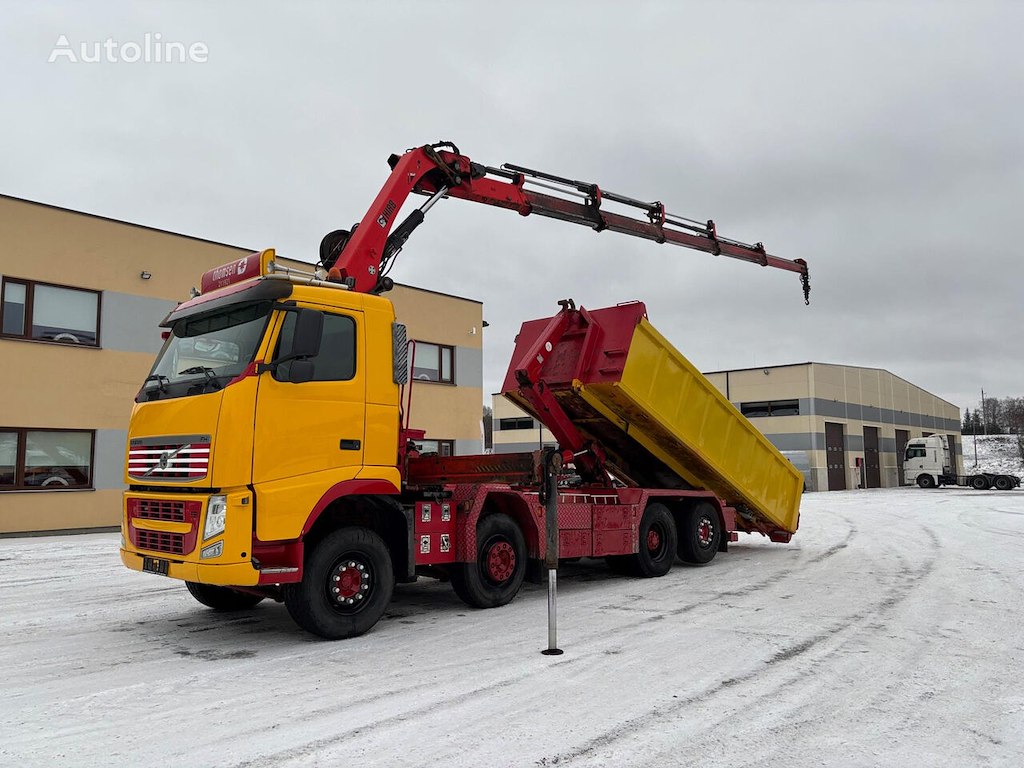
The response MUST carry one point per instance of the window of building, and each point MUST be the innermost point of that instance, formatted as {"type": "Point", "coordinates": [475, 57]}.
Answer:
{"type": "Point", "coordinates": [45, 459]}
{"type": "Point", "coordinates": [438, 447]}
{"type": "Point", "coordinates": [521, 422]}
{"type": "Point", "coordinates": [47, 312]}
{"type": "Point", "coordinates": [771, 408]}
{"type": "Point", "coordinates": [336, 360]}
{"type": "Point", "coordinates": [433, 362]}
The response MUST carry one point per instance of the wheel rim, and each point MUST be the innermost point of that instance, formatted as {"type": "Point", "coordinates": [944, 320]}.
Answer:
{"type": "Point", "coordinates": [498, 560]}
{"type": "Point", "coordinates": [705, 532]}
{"type": "Point", "coordinates": [350, 583]}
{"type": "Point", "coordinates": [657, 541]}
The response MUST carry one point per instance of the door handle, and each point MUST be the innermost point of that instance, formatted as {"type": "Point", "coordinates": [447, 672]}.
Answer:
{"type": "Point", "coordinates": [349, 445]}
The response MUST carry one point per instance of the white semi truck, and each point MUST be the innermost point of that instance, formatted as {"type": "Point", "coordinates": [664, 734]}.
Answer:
{"type": "Point", "coordinates": [928, 462]}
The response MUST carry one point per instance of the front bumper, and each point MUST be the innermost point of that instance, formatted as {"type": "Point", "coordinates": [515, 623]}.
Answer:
{"type": "Point", "coordinates": [232, 574]}
{"type": "Point", "coordinates": [169, 526]}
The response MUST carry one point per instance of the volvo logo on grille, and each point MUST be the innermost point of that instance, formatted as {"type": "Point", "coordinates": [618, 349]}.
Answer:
{"type": "Point", "coordinates": [165, 459]}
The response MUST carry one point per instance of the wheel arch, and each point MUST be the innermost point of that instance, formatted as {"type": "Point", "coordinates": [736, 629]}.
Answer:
{"type": "Point", "coordinates": [517, 508]}
{"type": "Point", "coordinates": [382, 514]}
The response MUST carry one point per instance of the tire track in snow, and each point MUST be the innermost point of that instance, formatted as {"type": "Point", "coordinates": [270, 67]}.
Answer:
{"type": "Point", "coordinates": [429, 708]}
{"type": "Point", "coordinates": [588, 648]}
{"type": "Point", "coordinates": [864, 620]}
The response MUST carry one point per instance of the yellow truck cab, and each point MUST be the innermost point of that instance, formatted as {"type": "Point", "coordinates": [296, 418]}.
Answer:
{"type": "Point", "coordinates": [273, 396]}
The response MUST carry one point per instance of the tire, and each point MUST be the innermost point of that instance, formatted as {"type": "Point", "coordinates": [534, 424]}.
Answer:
{"type": "Point", "coordinates": [497, 574]}
{"type": "Point", "coordinates": [346, 585]}
{"type": "Point", "coordinates": [701, 534]}
{"type": "Point", "coordinates": [659, 542]}
{"type": "Point", "coordinates": [925, 481]}
{"type": "Point", "coordinates": [980, 483]}
{"type": "Point", "coordinates": [1003, 483]}
{"type": "Point", "coordinates": [222, 598]}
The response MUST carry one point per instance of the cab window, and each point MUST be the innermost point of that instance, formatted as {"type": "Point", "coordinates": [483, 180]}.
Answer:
{"type": "Point", "coordinates": [336, 360]}
{"type": "Point", "coordinates": [916, 452]}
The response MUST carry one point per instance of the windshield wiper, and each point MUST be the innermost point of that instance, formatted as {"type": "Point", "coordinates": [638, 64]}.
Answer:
{"type": "Point", "coordinates": [211, 377]}
{"type": "Point", "coordinates": [161, 381]}
{"type": "Point", "coordinates": [198, 369]}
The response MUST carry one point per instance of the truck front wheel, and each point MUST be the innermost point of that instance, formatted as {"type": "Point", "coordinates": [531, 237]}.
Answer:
{"type": "Point", "coordinates": [346, 585]}
{"type": "Point", "coordinates": [496, 576]}
{"type": "Point", "coordinates": [222, 598]}
{"type": "Point", "coordinates": [701, 534]}
{"type": "Point", "coordinates": [925, 481]}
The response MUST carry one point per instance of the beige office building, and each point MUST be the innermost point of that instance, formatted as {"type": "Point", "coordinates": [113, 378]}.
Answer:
{"type": "Point", "coordinates": [82, 297]}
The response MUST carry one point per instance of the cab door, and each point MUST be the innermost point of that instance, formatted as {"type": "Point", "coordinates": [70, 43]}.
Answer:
{"type": "Point", "coordinates": [319, 425]}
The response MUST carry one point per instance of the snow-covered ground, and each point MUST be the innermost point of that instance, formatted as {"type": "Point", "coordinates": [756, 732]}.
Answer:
{"type": "Point", "coordinates": [997, 454]}
{"type": "Point", "coordinates": [889, 633]}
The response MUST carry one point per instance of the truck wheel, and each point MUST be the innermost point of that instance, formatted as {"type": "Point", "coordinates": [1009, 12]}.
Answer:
{"type": "Point", "coordinates": [979, 483]}
{"type": "Point", "coordinates": [925, 481]}
{"type": "Point", "coordinates": [659, 542]}
{"type": "Point", "coordinates": [222, 598]}
{"type": "Point", "coordinates": [346, 585]}
{"type": "Point", "coordinates": [1003, 483]}
{"type": "Point", "coordinates": [496, 576]}
{"type": "Point", "coordinates": [701, 534]}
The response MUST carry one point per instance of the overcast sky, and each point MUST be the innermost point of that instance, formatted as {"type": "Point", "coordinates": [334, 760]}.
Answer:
{"type": "Point", "coordinates": [881, 142]}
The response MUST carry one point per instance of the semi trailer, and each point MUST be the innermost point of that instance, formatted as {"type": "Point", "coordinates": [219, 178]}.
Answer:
{"type": "Point", "coordinates": [929, 463]}
{"type": "Point", "coordinates": [270, 455]}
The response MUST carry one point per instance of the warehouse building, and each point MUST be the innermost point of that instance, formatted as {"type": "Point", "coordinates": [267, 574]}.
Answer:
{"type": "Point", "coordinates": [82, 297]}
{"type": "Point", "coordinates": [843, 426]}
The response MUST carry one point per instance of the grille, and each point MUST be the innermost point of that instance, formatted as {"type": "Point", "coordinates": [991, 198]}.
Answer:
{"type": "Point", "coordinates": [153, 509]}
{"type": "Point", "coordinates": [159, 541]}
{"type": "Point", "coordinates": [169, 461]}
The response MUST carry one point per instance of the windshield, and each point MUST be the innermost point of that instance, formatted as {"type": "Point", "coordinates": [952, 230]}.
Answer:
{"type": "Point", "coordinates": [203, 353]}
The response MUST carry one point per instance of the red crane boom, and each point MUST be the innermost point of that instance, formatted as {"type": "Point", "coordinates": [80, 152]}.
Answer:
{"type": "Point", "coordinates": [362, 256]}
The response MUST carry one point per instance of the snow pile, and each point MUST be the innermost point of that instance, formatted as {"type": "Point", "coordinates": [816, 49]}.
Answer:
{"type": "Point", "coordinates": [997, 454]}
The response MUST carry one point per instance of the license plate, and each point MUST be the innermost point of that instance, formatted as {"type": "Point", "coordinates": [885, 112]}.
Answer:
{"type": "Point", "coordinates": [156, 565]}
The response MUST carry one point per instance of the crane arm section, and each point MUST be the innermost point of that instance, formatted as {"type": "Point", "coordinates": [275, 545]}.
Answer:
{"type": "Point", "coordinates": [362, 256]}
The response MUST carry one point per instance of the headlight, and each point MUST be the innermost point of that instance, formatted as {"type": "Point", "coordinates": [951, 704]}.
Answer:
{"type": "Point", "coordinates": [216, 516]}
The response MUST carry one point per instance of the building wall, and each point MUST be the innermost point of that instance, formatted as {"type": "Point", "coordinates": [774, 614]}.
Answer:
{"type": "Point", "coordinates": [851, 396]}
{"type": "Point", "coordinates": [55, 385]}
{"type": "Point", "coordinates": [531, 438]}
{"type": "Point", "coordinates": [447, 411]}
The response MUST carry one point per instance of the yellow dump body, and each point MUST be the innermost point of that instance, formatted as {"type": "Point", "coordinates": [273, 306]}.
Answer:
{"type": "Point", "coordinates": [661, 421]}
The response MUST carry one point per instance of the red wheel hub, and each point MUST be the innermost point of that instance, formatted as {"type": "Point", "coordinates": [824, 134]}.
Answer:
{"type": "Point", "coordinates": [653, 539]}
{"type": "Point", "coordinates": [705, 532]}
{"type": "Point", "coordinates": [350, 582]}
{"type": "Point", "coordinates": [500, 561]}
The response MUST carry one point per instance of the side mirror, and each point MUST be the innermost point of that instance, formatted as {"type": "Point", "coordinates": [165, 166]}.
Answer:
{"type": "Point", "coordinates": [309, 326]}
{"type": "Point", "coordinates": [300, 371]}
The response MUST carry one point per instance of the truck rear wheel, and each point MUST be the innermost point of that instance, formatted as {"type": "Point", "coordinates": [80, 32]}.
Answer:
{"type": "Point", "coordinates": [346, 585]}
{"type": "Point", "coordinates": [925, 481]}
{"type": "Point", "coordinates": [222, 598]}
{"type": "Point", "coordinates": [497, 574]}
{"type": "Point", "coordinates": [980, 483]}
{"type": "Point", "coordinates": [659, 542]}
{"type": "Point", "coordinates": [1003, 483]}
{"type": "Point", "coordinates": [701, 534]}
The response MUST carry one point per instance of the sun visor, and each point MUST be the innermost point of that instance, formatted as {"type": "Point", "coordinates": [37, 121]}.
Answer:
{"type": "Point", "coordinates": [234, 295]}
